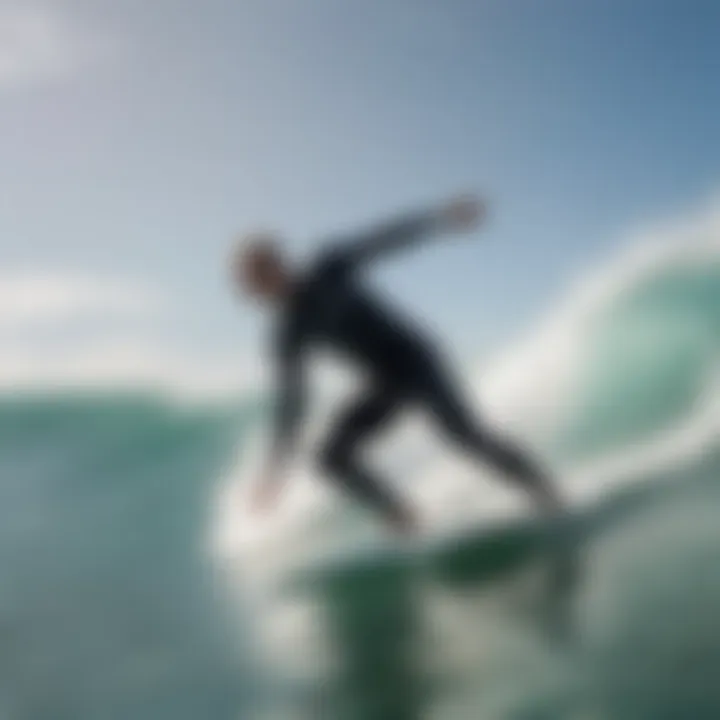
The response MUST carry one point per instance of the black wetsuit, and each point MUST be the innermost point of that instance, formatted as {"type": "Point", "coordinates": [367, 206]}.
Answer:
{"type": "Point", "coordinates": [330, 308]}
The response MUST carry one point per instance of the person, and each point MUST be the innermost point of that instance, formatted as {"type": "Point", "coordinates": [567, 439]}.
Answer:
{"type": "Point", "coordinates": [327, 305]}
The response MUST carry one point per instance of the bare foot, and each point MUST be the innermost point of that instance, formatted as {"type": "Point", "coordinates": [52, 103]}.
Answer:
{"type": "Point", "coordinates": [404, 522]}
{"type": "Point", "coordinates": [549, 500]}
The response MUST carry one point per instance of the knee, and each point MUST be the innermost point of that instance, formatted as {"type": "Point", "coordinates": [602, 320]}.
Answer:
{"type": "Point", "coordinates": [463, 432]}
{"type": "Point", "coordinates": [511, 457]}
{"type": "Point", "coordinates": [334, 458]}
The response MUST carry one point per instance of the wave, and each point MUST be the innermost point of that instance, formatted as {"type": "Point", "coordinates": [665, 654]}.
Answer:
{"type": "Point", "coordinates": [107, 598]}
{"type": "Point", "coordinates": [618, 384]}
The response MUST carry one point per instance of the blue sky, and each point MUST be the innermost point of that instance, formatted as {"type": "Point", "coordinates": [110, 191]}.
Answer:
{"type": "Point", "coordinates": [136, 138]}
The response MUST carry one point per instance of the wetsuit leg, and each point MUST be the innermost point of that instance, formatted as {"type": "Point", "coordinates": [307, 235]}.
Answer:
{"type": "Point", "coordinates": [437, 392]}
{"type": "Point", "coordinates": [362, 419]}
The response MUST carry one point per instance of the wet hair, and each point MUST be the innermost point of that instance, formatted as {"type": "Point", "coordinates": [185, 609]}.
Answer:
{"type": "Point", "coordinates": [255, 254]}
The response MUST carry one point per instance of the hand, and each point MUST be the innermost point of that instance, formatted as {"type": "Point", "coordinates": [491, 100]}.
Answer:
{"type": "Point", "coordinates": [403, 520]}
{"type": "Point", "coordinates": [463, 213]}
{"type": "Point", "coordinates": [265, 495]}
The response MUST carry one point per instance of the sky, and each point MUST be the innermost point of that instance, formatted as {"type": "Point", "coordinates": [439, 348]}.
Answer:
{"type": "Point", "coordinates": [138, 138]}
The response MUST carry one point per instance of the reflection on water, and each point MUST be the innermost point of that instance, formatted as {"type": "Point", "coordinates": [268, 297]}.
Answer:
{"type": "Point", "coordinates": [406, 627]}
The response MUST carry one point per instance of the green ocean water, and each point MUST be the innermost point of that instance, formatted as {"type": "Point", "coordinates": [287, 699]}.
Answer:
{"type": "Point", "coordinates": [110, 606]}
{"type": "Point", "coordinates": [106, 603]}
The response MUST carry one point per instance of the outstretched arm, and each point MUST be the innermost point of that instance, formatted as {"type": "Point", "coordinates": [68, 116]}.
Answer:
{"type": "Point", "coordinates": [459, 215]}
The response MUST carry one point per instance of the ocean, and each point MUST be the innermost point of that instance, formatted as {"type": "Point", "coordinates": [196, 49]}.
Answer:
{"type": "Point", "coordinates": [134, 585]}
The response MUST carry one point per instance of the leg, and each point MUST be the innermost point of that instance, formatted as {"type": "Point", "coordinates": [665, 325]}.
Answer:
{"type": "Point", "coordinates": [339, 457]}
{"type": "Point", "coordinates": [443, 400]}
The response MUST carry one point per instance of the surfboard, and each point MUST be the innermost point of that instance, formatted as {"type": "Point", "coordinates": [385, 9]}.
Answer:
{"type": "Point", "coordinates": [471, 557]}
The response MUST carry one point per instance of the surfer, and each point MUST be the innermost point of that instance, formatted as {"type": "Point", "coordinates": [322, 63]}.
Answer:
{"type": "Point", "coordinates": [326, 305]}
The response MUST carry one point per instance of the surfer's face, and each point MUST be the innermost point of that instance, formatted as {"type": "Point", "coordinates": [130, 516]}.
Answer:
{"type": "Point", "coordinates": [259, 268]}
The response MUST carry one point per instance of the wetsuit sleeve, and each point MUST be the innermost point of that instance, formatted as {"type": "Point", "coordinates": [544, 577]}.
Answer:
{"type": "Point", "coordinates": [387, 238]}
{"type": "Point", "coordinates": [289, 396]}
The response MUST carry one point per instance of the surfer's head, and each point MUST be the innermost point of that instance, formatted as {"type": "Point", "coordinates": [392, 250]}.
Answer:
{"type": "Point", "coordinates": [259, 268]}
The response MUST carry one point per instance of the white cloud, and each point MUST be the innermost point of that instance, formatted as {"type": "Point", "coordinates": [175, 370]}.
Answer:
{"type": "Point", "coordinates": [39, 43]}
{"type": "Point", "coordinates": [36, 298]}
{"type": "Point", "coordinates": [35, 305]}
{"type": "Point", "coordinates": [124, 363]}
